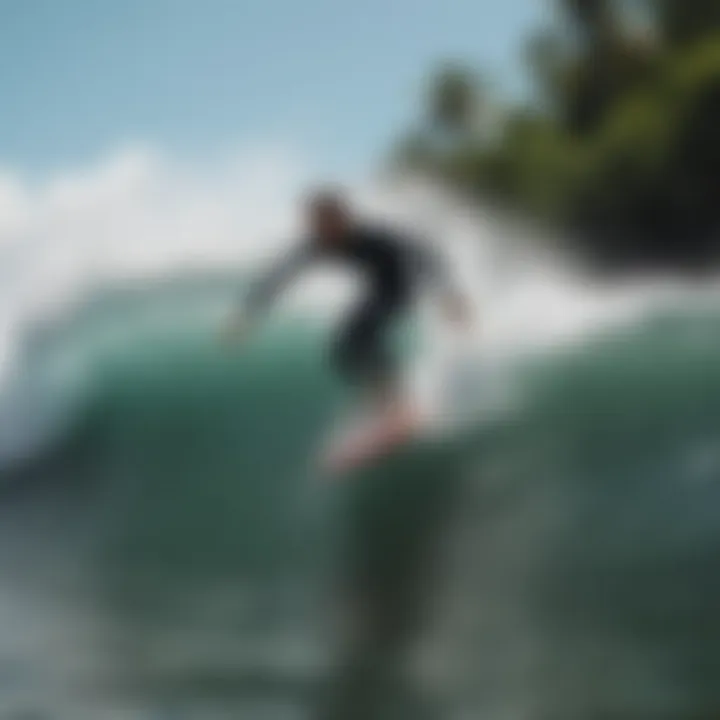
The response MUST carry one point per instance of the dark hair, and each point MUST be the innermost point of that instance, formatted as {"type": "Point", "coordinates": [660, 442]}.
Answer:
{"type": "Point", "coordinates": [327, 198]}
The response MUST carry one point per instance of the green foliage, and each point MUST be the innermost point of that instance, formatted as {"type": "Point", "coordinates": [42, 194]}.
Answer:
{"type": "Point", "coordinates": [621, 141]}
{"type": "Point", "coordinates": [686, 21]}
{"type": "Point", "coordinates": [453, 99]}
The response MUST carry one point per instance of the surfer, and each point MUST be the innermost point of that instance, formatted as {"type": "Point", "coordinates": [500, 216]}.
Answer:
{"type": "Point", "coordinates": [395, 267]}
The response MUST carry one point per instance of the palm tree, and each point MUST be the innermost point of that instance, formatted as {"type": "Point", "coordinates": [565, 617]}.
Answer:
{"type": "Point", "coordinates": [453, 101]}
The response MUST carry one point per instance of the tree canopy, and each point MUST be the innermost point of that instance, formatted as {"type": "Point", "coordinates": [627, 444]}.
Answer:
{"type": "Point", "coordinates": [619, 141]}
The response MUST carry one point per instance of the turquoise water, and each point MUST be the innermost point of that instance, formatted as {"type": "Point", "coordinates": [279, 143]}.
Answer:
{"type": "Point", "coordinates": [178, 556]}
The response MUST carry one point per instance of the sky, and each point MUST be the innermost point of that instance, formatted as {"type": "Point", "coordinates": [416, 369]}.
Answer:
{"type": "Point", "coordinates": [196, 78]}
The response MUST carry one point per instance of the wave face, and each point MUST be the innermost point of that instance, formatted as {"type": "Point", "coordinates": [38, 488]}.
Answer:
{"type": "Point", "coordinates": [576, 536]}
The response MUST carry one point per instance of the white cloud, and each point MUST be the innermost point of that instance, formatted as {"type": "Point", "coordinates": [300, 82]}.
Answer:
{"type": "Point", "coordinates": [134, 214]}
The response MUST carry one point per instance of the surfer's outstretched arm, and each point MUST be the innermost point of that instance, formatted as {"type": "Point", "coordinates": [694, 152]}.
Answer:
{"type": "Point", "coordinates": [435, 271]}
{"type": "Point", "coordinates": [267, 287]}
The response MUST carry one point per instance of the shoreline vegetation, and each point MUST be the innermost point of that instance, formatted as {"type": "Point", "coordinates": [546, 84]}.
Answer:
{"type": "Point", "coordinates": [616, 146]}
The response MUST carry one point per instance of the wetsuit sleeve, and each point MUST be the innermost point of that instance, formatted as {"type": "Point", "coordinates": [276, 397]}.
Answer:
{"type": "Point", "coordinates": [268, 285]}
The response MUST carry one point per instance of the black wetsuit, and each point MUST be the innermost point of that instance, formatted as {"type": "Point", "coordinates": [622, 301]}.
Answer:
{"type": "Point", "coordinates": [394, 267]}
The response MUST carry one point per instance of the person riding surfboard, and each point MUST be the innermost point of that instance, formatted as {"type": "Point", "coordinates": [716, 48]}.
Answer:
{"type": "Point", "coordinates": [396, 268]}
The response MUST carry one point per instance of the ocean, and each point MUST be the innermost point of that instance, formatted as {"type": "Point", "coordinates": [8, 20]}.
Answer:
{"type": "Point", "coordinates": [168, 550]}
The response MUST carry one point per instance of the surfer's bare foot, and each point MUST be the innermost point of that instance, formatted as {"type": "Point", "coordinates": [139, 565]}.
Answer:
{"type": "Point", "coordinates": [374, 440]}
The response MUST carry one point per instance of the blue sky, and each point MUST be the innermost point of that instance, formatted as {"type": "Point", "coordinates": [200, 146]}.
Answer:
{"type": "Point", "coordinates": [337, 78]}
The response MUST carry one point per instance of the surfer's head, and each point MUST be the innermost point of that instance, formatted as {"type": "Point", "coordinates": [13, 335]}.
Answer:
{"type": "Point", "coordinates": [329, 216]}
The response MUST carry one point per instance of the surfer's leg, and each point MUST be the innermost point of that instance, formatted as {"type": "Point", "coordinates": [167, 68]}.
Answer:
{"type": "Point", "coordinates": [360, 353]}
